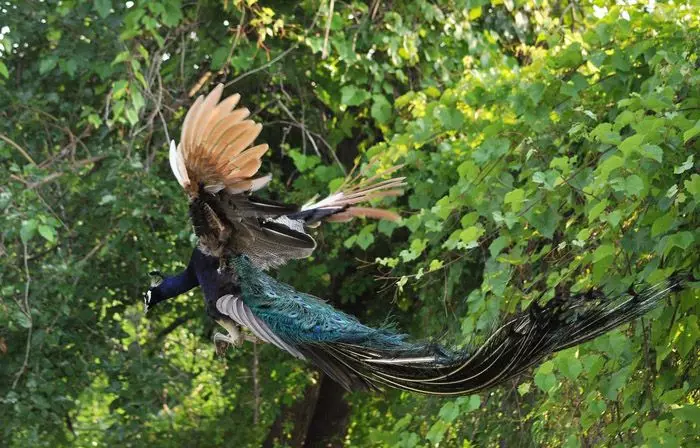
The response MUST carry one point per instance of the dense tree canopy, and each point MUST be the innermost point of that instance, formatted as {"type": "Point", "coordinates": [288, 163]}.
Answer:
{"type": "Point", "coordinates": [549, 147]}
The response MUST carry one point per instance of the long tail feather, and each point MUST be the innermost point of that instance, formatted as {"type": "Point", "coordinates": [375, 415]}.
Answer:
{"type": "Point", "coordinates": [518, 343]}
{"type": "Point", "coordinates": [358, 356]}
{"type": "Point", "coordinates": [338, 207]}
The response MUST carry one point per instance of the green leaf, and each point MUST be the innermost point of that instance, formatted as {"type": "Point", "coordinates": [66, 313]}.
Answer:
{"type": "Point", "coordinates": [468, 170]}
{"type": "Point", "coordinates": [498, 244]}
{"type": "Point", "coordinates": [470, 235]}
{"type": "Point", "coordinates": [549, 179]}
{"type": "Point", "coordinates": [652, 152]}
{"type": "Point", "coordinates": [219, 57]}
{"type": "Point", "coordinates": [597, 209]}
{"type": "Point", "coordinates": [3, 70]}
{"type": "Point", "coordinates": [523, 388]}
{"type": "Point", "coordinates": [692, 132]}
{"type": "Point", "coordinates": [546, 367]}
{"type": "Point", "coordinates": [417, 247]}
{"type": "Point", "coordinates": [469, 219]}
{"type": "Point", "coordinates": [662, 224]}
{"type": "Point", "coordinates": [614, 218]}
{"type": "Point", "coordinates": [48, 64]}
{"type": "Point", "coordinates": [450, 118]}
{"type": "Point", "coordinates": [688, 337]}
{"type": "Point", "coordinates": [491, 149]}
{"type": "Point", "coordinates": [609, 165]}
{"type": "Point", "coordinates": [353, 96]}
{"type": "Point", "coordinates": [22, 319]}
{"type": "Point", "coordinates": [693, 186]}
{"type": "Point", "coordinates": [535, 92]}
{"type": "Point", "coordinates": [435, 265]}
{"type": "Point", "coordinates": [69, 66]}
{"type": "Point", "coordinates": [545, 221]}
{"type": "Point", "coordinates": [603, 251]}
{"type": "Point", "coordinates": [365, 238]}
{"type": "Point", "coordinates": [103, 7]}
{"type": "Point", "coordinates": [473, 403]}
{"type": "Point", "coordinates": [689, 412]}
{"type": "Point", "coordinates": [605, 134]}
{"type": "Point", "coordinates": [48, 232]}
{"type": "Point", "coordinates": [437, 432]}
{"type": "Point", "coordinates": [303, 162]}
{"type": "Point", "coordinates": [570, 366]}
{"type": "Point", "coordinates": [106, 199]}
{"type": "Point", "coordinates": [381, 109]}
{"type": "Point", "coordinates": [475, 13]}
{"type": "Point", "coordinates": [449, 412]}
{"type": "Point", "coordinates": [634, 185]}
{"type": "Point", "coordinates": [631, 144]}
{"type": "Point", "coordinates": [685, 166]}
{"type": "Point", "coordinates": [131, 115]}
{"type": "Point", "coordinates": [28, 230]}
{"type": "Point", "coordinates": [545, 381]}
{"type": "Point", "coordinates": [682, 240]}
{"type": "Point", "coordinates": [515, 198]}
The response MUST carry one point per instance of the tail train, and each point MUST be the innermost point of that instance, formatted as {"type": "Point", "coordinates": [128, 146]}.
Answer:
{"type": "Point", "coordinates": [518, 343]}
{"type": "Point", "coordinates": [360, 357]}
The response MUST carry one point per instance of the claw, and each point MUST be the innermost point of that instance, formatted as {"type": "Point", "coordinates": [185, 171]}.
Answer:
{"type": "Point", "coordinates": [234, 338]}
{"type": "Point", "coordinates": [229, 339]}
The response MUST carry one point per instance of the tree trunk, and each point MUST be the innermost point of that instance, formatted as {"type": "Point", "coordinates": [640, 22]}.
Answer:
{"type": "Point", "coordinates": [299, 414]}
{"type": "Point", "coordinates": [331, 417]}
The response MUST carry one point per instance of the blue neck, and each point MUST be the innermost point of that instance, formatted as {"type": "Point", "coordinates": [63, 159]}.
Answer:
{"type": "Point", "coordinates": [206, 271]}
{"type": "Point", "coordinates": [202, 270]}
{"type": "Point", "coordinates": [177, 284]}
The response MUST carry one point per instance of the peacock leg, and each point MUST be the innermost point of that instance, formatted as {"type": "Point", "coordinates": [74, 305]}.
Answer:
{"type": "Point", "coordinates": [234, 337]}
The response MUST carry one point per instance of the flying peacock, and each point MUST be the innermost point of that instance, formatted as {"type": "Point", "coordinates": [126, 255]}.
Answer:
{"type": "Point", "coordinates": [241, 235]}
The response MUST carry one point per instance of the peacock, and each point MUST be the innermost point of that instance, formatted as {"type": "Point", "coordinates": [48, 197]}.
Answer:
{"type": "Point", "coordinates": [242, 236]}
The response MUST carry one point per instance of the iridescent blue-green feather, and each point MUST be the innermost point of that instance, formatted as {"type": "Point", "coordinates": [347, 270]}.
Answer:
{"type": "Point", "coordinates": [359, 356]}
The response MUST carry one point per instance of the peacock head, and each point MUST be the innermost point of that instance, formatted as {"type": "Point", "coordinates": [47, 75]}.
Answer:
{"type": "Point", "coordinates": [154, 295]}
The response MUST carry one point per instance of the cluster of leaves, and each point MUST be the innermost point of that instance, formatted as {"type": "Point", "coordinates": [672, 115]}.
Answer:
{"type": "Point", "coordinates": [548, 148]}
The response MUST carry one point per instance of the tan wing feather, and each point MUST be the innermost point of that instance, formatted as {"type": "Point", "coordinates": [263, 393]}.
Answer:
{"type": "Point", "coordinates": [220, 145]}
{"type": "Point", "coordinates": [229, 128]}
{"type": "Point", "coordinates": [214, 147]}
{"type": "Point", "coordinates": [206, 111]}
{"type": "Point", "coordinates": [242, 141]}
{"type": "Point", "coordinates": [250, 168]}
{"type": "Point", "coordinates": [218, 115]}
{"type": "Point", "coordinates": [187, 126]}
{"type": "Point", "coordinates": [256, 152]}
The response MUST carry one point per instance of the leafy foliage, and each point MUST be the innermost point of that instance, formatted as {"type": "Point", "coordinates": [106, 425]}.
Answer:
{"type": "Point", "coordinates": [549, 147]}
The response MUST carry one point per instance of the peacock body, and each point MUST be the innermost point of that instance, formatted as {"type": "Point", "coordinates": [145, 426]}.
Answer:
{"type": "Point", "coordinates": [240, 236]}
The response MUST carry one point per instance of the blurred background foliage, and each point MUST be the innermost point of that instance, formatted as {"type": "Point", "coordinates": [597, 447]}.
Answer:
{"type": "Point", "coordinates": [549, 146]}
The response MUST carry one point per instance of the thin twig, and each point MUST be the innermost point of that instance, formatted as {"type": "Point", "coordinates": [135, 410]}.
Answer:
{"type": "Point", "coordinates": [324, 53]}
{"type": "Point", "coordinates": [308, 135]}
{"type": "Point", "coordinates": [27, 312]}
{"type": "Point", "coordinates": [17, 147]}
{"type": "Point", "coordinates": [256, 385]}
{"type": "Point", "coordinates": [239, 31]}
{"type": "Point", "coordinates": [262, 67]}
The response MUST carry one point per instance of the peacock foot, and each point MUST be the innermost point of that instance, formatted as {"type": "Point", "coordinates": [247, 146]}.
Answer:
{"type": "Point", "coordinates": [223, 341]}
{"type": "Point", "coordinates": [235, 336]}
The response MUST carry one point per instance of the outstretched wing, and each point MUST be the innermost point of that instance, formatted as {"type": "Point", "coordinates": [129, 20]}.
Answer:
{"type": "Point", "coordinates": [214, 152]}
{"type": "Point", "coordinates": [217, 164]}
